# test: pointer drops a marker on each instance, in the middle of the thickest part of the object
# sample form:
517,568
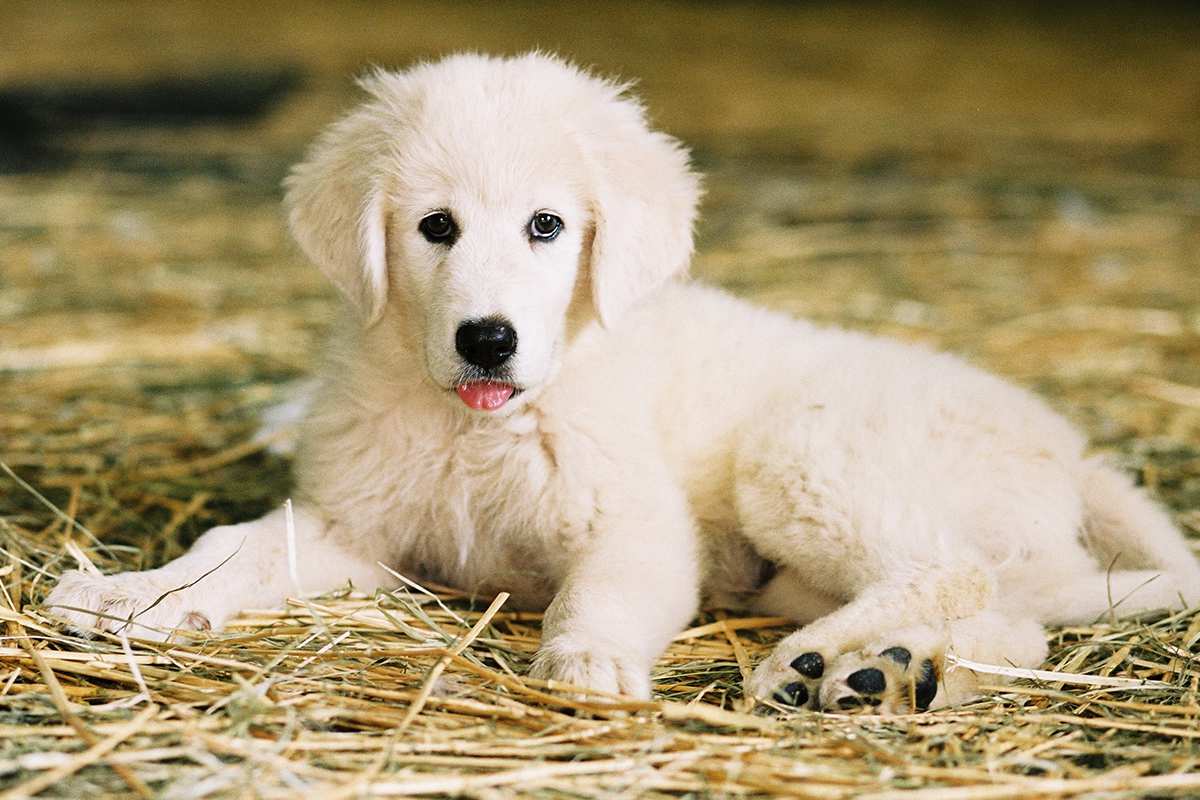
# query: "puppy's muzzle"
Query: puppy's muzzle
486,343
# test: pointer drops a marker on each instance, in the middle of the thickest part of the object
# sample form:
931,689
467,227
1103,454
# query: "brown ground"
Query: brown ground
1019,186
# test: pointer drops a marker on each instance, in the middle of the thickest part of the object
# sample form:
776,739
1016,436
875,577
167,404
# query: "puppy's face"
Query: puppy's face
486,244
460,208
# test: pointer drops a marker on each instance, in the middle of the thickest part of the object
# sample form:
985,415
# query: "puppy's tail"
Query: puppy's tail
1126,530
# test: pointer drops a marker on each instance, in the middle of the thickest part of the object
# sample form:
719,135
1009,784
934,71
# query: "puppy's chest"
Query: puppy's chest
488,511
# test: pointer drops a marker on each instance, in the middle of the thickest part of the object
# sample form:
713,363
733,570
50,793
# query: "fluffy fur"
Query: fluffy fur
669,444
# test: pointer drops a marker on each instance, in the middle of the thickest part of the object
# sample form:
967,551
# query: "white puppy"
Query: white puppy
525,396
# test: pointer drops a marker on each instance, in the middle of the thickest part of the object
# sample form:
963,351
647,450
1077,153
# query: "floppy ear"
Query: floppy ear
644,198
336,209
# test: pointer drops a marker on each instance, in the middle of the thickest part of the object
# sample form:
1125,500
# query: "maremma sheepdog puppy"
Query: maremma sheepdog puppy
524,394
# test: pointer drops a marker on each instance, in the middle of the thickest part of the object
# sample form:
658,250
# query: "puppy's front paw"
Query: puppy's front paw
593,668
139,604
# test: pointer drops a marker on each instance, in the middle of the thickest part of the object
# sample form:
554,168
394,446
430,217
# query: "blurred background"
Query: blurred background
1015,182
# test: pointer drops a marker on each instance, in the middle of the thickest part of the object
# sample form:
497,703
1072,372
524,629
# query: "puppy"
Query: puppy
525,395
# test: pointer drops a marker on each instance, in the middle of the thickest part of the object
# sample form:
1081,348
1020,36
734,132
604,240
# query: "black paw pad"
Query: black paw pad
926,686
900,655
810,665
851,701
867,681
794,694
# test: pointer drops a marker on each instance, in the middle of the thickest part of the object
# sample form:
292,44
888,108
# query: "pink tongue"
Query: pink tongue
484,395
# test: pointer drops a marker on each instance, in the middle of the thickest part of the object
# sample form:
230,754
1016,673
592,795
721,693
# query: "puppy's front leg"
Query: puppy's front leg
229,568
635,586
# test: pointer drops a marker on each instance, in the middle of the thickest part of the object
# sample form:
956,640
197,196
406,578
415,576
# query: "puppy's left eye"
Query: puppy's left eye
544,226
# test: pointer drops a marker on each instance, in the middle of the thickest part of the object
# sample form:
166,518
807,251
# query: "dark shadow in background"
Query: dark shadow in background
34,120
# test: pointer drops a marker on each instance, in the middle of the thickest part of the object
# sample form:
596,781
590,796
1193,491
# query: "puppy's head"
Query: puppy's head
469,202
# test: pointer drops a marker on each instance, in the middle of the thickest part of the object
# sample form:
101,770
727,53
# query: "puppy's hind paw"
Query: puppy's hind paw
788,682
889,682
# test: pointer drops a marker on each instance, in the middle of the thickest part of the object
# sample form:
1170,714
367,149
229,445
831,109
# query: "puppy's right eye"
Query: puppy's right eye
438,228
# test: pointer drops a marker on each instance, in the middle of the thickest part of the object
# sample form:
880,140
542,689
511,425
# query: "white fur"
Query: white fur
669,439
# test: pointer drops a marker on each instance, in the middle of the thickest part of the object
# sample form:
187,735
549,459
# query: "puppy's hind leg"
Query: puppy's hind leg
1124,528
230,568
814,498
1085,598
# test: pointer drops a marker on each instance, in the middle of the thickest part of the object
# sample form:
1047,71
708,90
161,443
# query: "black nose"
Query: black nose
485,343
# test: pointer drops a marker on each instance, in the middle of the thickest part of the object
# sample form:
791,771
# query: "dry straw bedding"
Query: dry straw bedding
421,692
